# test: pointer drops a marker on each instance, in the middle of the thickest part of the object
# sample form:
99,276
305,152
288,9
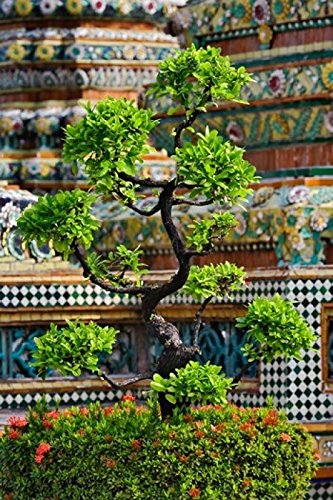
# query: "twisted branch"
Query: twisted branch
241,373
87,273
126,383
204,203
149,183
198,321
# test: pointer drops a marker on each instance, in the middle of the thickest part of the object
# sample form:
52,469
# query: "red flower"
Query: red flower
17,422
67,413
188,418
271,418
136,444
199,423
47,424
84,411
108,410
199,452
246,483
199,434
246,427
82,432
111,463
39,459
235,417
43,448
285,437
14,434
194,492
128,397
207,407
316,456
183,459
218,428
52,414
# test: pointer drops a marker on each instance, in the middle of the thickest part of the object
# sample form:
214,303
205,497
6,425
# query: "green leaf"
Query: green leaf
214,280
171,399
216,168
194,383
64,219
276,329
73,348
109,141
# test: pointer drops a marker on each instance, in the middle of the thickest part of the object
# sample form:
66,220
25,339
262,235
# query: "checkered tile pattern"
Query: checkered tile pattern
67,398
59,295
295,386
322,490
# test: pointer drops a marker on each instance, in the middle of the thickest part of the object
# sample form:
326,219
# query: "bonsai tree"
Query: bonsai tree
109,143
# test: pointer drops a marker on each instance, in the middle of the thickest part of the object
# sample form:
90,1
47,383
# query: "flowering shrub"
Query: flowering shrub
127,452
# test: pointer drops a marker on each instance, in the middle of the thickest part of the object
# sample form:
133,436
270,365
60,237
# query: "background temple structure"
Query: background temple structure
56,53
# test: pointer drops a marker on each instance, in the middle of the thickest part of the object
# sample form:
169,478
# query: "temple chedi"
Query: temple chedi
57,53
54,56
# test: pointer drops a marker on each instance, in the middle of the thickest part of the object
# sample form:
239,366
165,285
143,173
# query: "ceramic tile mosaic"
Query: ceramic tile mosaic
295,386
15,401
320,490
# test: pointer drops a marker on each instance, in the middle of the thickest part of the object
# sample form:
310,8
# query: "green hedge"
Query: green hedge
127,452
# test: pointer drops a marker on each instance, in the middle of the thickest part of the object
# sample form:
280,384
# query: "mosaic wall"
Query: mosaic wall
57,46
156,10
12,203
296,386
17,346
261,127
297,221
330,350
100,48
321,490
22,131
246,17
306,70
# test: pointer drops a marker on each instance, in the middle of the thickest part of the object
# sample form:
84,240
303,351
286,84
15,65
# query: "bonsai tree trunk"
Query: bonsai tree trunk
174,354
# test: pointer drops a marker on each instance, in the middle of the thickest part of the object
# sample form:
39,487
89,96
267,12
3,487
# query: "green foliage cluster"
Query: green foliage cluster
214,280
121,260
109,141
195,383
215,169
198,77
63,218
204,232
128,453
275,328
73,348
